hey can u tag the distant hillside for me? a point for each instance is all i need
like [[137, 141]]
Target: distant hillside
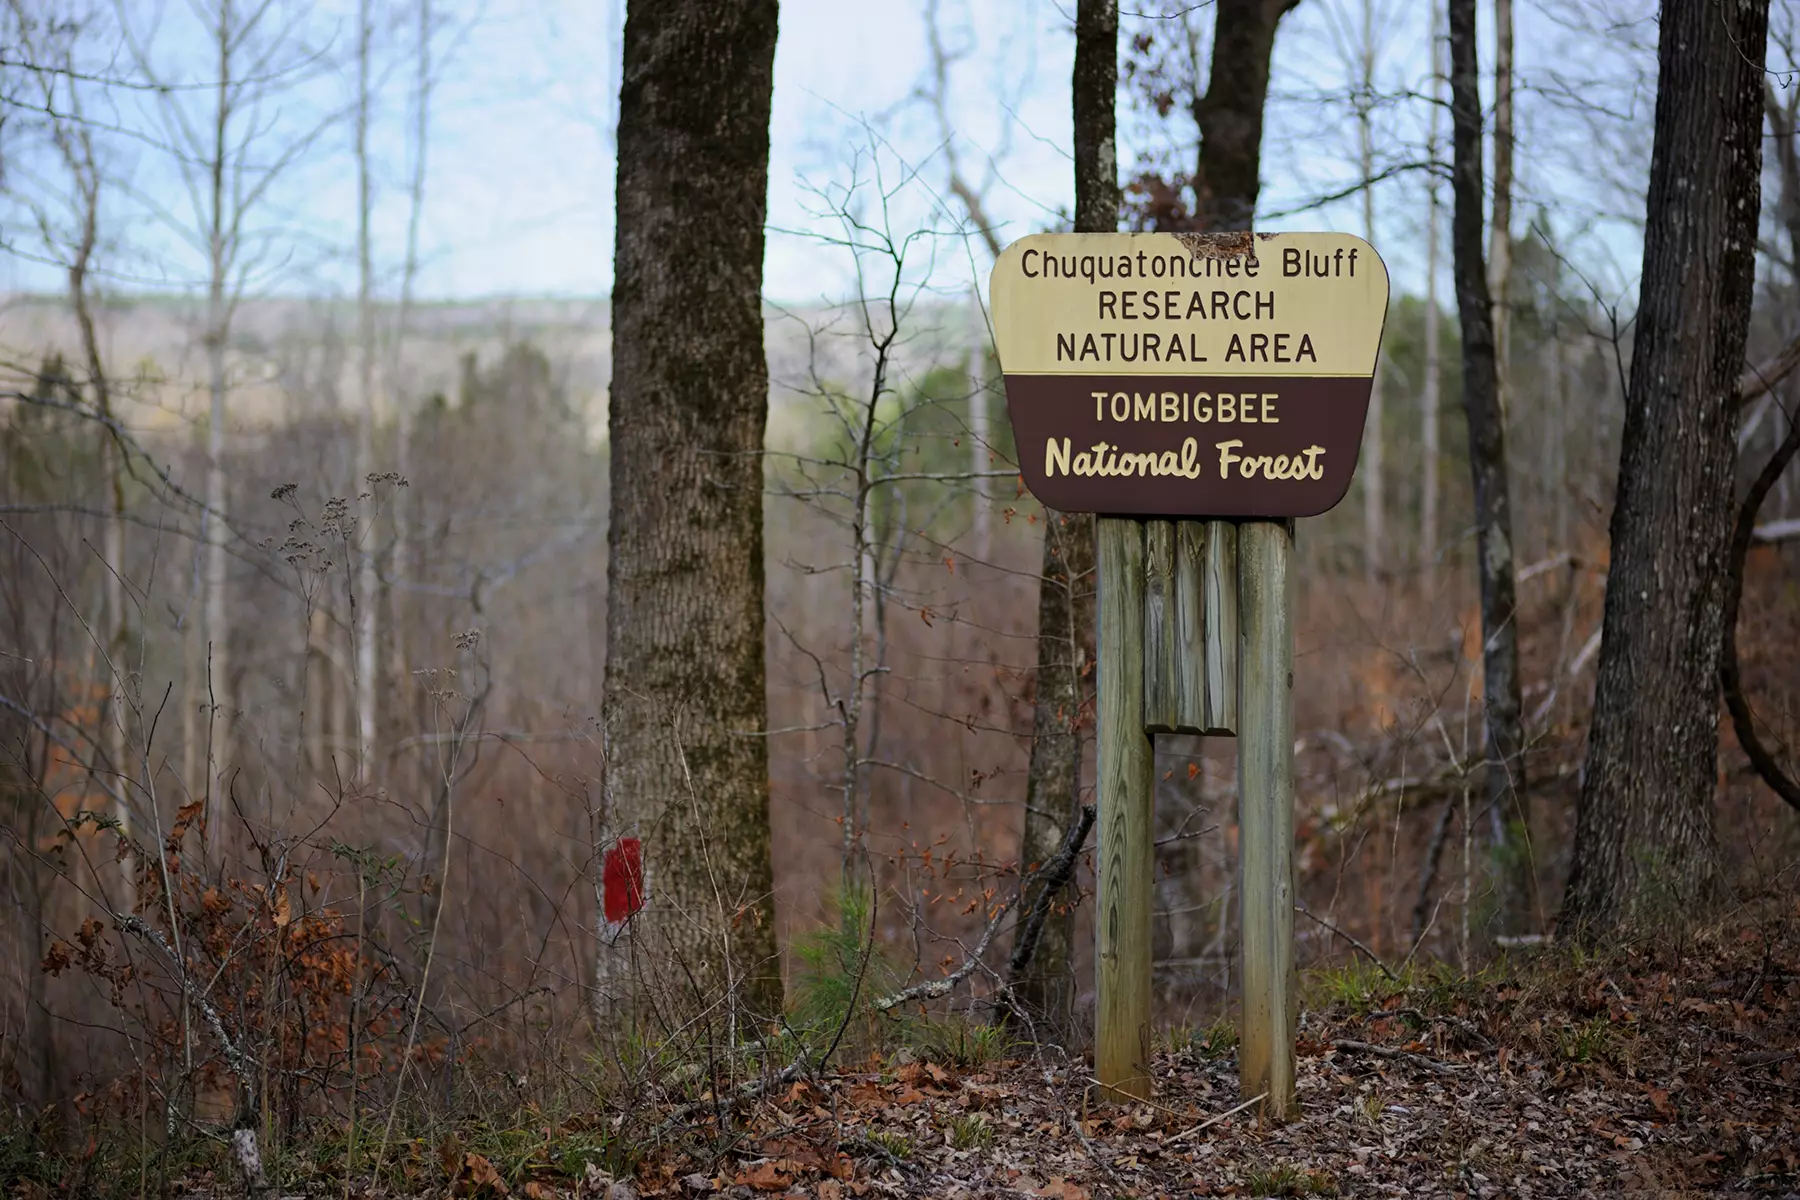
[[295, 358]]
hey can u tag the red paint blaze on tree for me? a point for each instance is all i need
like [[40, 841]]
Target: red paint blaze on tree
[[622, 879]]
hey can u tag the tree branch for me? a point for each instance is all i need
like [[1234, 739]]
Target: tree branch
[[1761, 378], [1731, 680], [1054, 876]]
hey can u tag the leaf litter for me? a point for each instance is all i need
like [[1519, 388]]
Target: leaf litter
[[1668, 1069]]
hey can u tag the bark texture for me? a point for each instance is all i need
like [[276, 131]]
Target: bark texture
[[1227, 176], [1644, 842], [1504, 771], [1044, 983], [684, 690]]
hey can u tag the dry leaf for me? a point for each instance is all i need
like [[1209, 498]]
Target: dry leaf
[[483, 1175], [765, 1177]]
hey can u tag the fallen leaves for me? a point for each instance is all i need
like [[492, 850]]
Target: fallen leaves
[[1655, 1070]]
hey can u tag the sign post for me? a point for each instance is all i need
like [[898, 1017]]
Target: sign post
[[1198, 392]]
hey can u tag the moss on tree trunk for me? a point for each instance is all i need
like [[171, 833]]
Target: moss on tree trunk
[[684, 694]]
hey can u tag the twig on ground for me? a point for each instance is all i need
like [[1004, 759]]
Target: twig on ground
[[1211, 1121], [1407, 1056], [1466, 1027]]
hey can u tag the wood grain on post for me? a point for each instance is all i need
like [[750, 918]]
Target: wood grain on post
[[1266, 816], [1190, 626], [1122, 1032], [1221, 627], [1162, 636]]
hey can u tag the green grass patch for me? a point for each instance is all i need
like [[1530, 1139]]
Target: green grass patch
[[1285, 1179], [957, 1041], [1206, 1043], [971, 1131]]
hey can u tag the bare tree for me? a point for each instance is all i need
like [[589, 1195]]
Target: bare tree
[[362, 600], [1043, 981], [1374, 468], [1359, 35], [1645, 848], [1430, 401], [1502, 708], [220, 144], [1228, 171], [1500, 244], [404, 396], [62, 92], [971, 194]]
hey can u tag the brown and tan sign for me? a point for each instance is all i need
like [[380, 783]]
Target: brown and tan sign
[[1159, 374]]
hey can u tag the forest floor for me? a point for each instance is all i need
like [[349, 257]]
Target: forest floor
[[1665, 1069], [1671, 1068]]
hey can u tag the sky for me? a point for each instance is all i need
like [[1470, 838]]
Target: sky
[[520, 166]]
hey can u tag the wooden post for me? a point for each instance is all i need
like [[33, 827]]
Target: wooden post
[[1162, 635], [1221, 627], [1190, 623], [1122, 1032], [1266, 816]]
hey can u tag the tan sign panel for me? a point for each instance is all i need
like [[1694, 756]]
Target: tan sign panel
[[1189, 374]]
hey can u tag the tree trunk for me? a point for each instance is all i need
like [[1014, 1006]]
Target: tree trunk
[[1500, 231], [85, 174], [1045, 988], [1558, 457], [684, 686], [399, 562], [211, 679], [980, 440], [363, 601], [1645, 848], [1505, 765], [1429, 397], [1373, 469], [1230, 116]]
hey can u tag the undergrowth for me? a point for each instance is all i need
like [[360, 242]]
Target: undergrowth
[[498, 1130]]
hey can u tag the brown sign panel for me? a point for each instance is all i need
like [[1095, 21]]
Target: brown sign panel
[[1223, 375]]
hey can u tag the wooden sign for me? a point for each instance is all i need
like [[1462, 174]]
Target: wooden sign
[[1160, 374], [1176, 376]]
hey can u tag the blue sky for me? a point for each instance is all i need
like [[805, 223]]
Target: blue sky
[[521, 169]]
